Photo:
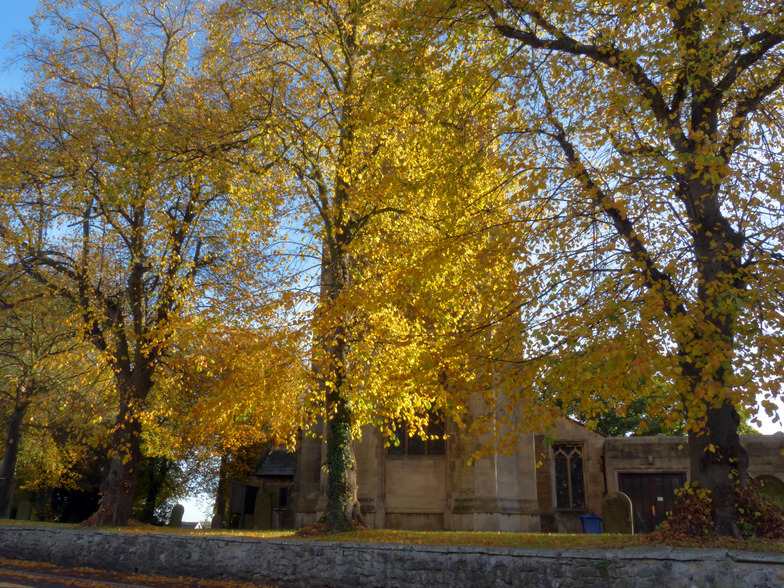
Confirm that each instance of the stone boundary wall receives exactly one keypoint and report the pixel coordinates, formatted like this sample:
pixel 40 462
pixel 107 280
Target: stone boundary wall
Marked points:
pixel 300 562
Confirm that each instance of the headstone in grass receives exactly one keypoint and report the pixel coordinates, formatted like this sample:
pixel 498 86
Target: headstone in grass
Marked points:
pixel 617 513
pixel 262 512
pixel 23 511
pixel 247 522
pixel 175 520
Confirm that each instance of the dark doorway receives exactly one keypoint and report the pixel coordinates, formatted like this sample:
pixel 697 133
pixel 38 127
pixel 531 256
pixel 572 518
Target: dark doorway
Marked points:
pixel 652 495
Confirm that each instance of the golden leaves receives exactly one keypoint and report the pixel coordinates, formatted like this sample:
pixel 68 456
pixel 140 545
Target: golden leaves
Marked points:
pixel 464 252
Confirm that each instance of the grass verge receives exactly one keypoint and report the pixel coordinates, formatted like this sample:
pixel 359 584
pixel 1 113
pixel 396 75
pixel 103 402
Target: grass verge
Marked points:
pixel 454 538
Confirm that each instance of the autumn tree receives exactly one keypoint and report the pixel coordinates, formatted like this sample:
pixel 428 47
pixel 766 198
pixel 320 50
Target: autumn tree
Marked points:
pixel 46 374
pixel 160 483
pixel 647 139
pixel 307 56
pixel 225 391
pixel 124 143
pixel 352 146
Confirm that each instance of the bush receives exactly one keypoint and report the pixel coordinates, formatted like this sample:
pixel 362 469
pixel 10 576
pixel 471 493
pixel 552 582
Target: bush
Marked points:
pixel 757 516
pixel 693 518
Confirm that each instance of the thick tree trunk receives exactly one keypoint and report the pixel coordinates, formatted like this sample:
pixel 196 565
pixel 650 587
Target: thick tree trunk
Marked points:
pixel 719 463
pixel 119 487
pixel 343 507
pixel 10 454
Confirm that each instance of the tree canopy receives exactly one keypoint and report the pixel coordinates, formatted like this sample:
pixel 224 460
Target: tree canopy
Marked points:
pixel 115 142
pixel 354 212
pixel 647 138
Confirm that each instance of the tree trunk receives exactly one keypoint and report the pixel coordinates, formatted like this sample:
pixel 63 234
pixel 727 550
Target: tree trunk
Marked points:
pixel 343 506
pixel 719 463
pixel 119 487
pixel 223 486
pixel 10 454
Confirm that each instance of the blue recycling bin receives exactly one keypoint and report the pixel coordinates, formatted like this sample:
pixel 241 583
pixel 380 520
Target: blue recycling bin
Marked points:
pixel 592 524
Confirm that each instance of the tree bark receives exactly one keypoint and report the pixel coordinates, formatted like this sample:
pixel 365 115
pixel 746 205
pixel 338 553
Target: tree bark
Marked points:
pixel 119 486
pixel 343 504
pixel 223 487
pixel 10 454
pixel 719 463
pixel 343 508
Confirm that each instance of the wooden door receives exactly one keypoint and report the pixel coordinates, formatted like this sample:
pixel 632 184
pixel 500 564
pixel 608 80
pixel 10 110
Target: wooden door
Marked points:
pixel 652 496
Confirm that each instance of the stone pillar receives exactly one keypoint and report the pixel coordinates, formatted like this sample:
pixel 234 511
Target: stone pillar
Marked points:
pixel 371 457
pixel 496 492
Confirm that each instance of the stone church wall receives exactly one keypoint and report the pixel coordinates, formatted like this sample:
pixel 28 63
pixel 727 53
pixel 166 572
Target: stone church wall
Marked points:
pixel 567 520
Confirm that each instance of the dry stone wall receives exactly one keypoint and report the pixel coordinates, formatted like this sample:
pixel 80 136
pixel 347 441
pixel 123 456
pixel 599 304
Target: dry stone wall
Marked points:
pixel 288 562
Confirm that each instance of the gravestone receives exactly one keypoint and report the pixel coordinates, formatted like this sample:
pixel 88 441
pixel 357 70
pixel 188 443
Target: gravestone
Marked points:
pixel 175 520
pixel 217 522
pixel 617 513
pixel 262 511
pixel 23 511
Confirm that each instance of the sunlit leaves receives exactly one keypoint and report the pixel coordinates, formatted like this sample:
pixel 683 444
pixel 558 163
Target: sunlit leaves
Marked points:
pixel 124 152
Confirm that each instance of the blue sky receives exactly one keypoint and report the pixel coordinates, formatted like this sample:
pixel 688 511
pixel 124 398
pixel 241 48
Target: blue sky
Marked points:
pixel 15 19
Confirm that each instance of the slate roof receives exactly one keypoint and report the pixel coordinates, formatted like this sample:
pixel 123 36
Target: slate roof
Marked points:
pixel 276 462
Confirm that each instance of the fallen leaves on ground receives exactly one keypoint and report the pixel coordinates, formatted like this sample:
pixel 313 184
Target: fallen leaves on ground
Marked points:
pixel 72 576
